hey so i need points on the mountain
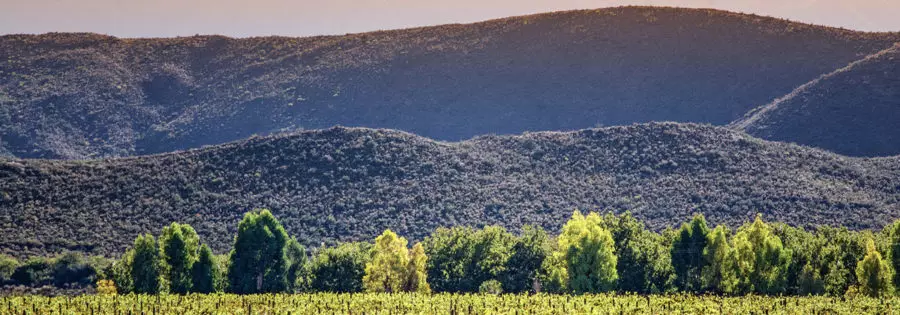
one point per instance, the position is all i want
(77, 96)
(351, 183)
(854, 110)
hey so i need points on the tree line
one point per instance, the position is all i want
(592, 254)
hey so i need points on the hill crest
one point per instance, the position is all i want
(80, 96)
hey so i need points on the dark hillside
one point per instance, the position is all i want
(350, 184)
(854, 110)
(85, 95)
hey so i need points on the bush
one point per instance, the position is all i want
(8, 265)
(73, 268)
(490, 287)
(34, 272)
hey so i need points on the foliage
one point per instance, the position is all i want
(340, 268)
(296, 256)
(588, 252)
(687, 253)
(106, 287)
(416, 275)
(258, 261)
(460, 259)
(408, 303)
(35, 271)
(644, 262)
(529, 251)
(387, 271)
(178, 244)
(73, 268)
(146, 266)
(760, 260)
(715, 273)
(8, 265)
(205, 272)
(874, 274)
(490, 287)
(894, 251)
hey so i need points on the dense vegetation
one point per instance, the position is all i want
(851, 111)
(88, 95)
(328, 303)
(592, 254)
(351, 184)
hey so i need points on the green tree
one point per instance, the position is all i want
(763, 261)
(805, 263)
(644, 262)
(340, 269)
(894, 253)
(258, 261)
(810, 281)
(296, 255)
(387, 270)
(528, 253)
(8, 265)
(460, 259)
(838, 257)
(588, 251)
(416, 277)
(874, 274)
(715, 273)
(145, 265)
(120, 272)
(687, 253)
(178, 249)
(205, 272)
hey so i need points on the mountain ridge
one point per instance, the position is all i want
(82, 96)
(344, 184)
(851, 110)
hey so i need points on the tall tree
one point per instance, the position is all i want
(715, 273)
(178, 248)
(416, 277)
(145, 265)
(588, 254)
(762, 258)
(644, 262)
(874, 274)
(687, 253)
(296, 255)
(205, 272)
(528, 253)
(387, 270)
(258, 261)
(894, 254)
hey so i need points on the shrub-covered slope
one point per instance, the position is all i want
(854, 110)
(351, 183)
(87, 95)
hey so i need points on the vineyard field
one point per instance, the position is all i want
(360, 303)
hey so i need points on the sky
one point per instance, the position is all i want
(168, 18)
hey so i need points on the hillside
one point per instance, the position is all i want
(78, 96)
(854, 110)
(351, 183)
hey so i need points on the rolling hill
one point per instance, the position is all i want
(78, 96)
(351, 183)
(854, 110)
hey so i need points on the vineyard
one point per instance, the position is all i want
(409, 303)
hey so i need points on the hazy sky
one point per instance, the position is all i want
(164, 18)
